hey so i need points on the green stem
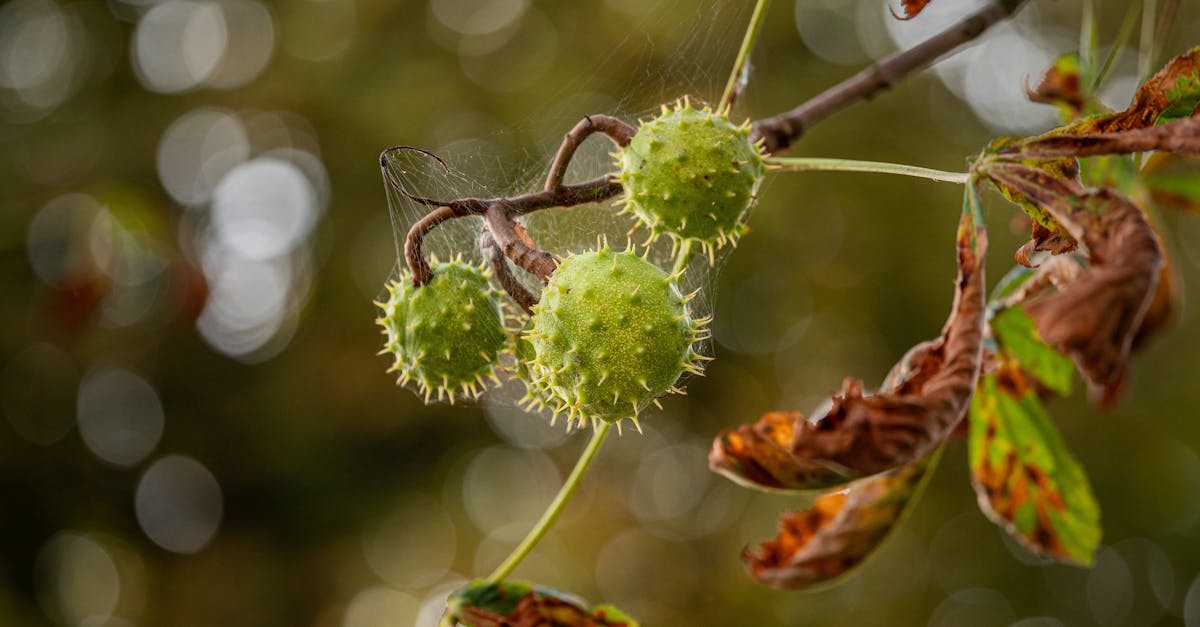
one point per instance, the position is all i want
(1089, 44)
(1124, 36)
(556, 506)
(807, 164)
(1148, 47)
(752, 30)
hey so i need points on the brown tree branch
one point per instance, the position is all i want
(511, 284)
(779, 132)
(618, 131)
(414, 244)
(537, 262)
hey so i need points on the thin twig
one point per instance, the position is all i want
(504, 274)
(618, 131)
(414, 244)
(596, 190)
(539, 263)
(779, 132)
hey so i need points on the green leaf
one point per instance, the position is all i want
(1026, 480)
(1014, 330)
(522, 604)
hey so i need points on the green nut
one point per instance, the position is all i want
(610, 335)
(693, 175)
(445, 336)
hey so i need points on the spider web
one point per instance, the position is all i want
(675, 48)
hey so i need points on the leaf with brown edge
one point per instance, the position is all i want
(1047, 234)
(759, 456)
(521, 604)
(1181, 137)
(840, 530)
(1094, 318)
(920, 403)
(911, 9)
(1025, 479)
(1161, 118)
(1173, 93)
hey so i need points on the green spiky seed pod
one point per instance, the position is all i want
(691, 174)
(445, 336)
(610, 334)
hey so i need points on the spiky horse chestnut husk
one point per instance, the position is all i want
(610, 334)
(446, 336)
(691, 174)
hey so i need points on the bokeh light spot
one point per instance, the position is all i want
(196, 150)
(263, 208)
(178, 504)
(77, 578)
(413, 545)
(381, 606)
(120, 416)
(177, 44)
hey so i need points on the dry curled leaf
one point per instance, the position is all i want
(760, 456)
(1160, 118)
(1094, 318)
(1061, 86)
(1043, 239)
(1179, 136)
(838, 532)
(1047, 234)
(920, 403)
(910, 7)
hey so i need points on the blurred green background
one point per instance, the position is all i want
(196, 431)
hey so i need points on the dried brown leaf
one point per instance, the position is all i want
(1094, 318)
(1170, 92)
(760, 456)
(1160, 118)
(1061, 86)
(1180, 137)
(1043, 239)
(838, 532)
(911, 9)
(1162, 308)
